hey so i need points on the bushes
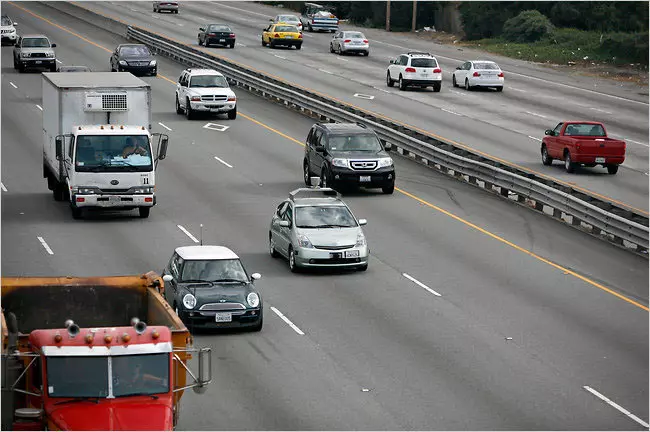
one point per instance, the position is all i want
(632, 47)
(528, 26)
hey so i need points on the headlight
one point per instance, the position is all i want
(340, 162)
(152, 63)
(361, 239)
(385, 162)
(304, 242)
(144, 190)
(83, 190)
(123, 62)
(49, 54)
(189, 301)
(253, 299)
(24, 54)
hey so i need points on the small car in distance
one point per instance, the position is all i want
(315, 228)
(208, 287)
(345, 42)
(287, 19)
(134, 58)
(171, 6)
(478, 73)
(8, 34)
(216, 34)
(34, 51)
(582, 143)
(72, 68)
(282, 35)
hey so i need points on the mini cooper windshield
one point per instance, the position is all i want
(226, 270)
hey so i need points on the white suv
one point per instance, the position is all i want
(415, 69)
(204, 90)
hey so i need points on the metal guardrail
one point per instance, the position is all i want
(614, 224)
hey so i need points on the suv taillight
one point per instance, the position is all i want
(437, 70)
(409, 69)
(476, 74)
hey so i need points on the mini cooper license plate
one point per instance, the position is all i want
(223, 317)
(352, 254)
(364, 178)
(600, 160)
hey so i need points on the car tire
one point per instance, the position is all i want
(263, 43)
(546, 159)
(569, 166)
(366, 53)
(271, 44)
(362, 267)
(232, 45)
(274, 253)
(298, 46)
(437, 87)
(402, 85)
(58, 192)
(21, 67)
(232, 114)
(389, 80)
(453, 81)
(331, 49)
(179, 109)
(258, 327)
(144, 212)
(292, 261)
(500, 89)
(388, 190)
(467, 86)
(612, 169)
(189, 113)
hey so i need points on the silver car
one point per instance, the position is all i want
(345, 42)
(34, 51)
(478, 73)
(315, 228)
(171, 6)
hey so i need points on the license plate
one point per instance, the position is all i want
(600, 160)
(357, 42)
(113, 199)
(352, 254)
(288, 37)
(38, 62)
(364, 178)
(214, 106)
(222, 40)
(223, 317)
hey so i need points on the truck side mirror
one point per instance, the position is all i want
(205, 371)
(59, 147)
(162, 153)
(548, 132)
(388, 146)
(256, 276)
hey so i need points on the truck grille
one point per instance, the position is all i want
(214, 98)
(37, 54)
(363, 165)
(221, 306)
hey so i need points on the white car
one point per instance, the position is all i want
(478, 73)
(204, 90)
(345, 42)
(287, 19)
(415, 69)
(9, 35)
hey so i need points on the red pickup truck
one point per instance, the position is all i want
(582, 143)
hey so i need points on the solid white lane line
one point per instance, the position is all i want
(637, 142)
(326, 71)
(243, 10)
(285, 319)
(342, 59)
(187, 233)
(450, 112)
(168, 128)
(417, 282)
(59, 61)
(279, 56)
(13, 85)
(516, 89)
(381, 89)
(4, 189)
(47, 248)
(223, 162)
(39, 107)
(600, 110)
(458, 93)
(535, 114)
(617, 406)
(536, 139)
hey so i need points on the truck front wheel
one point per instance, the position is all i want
(144, 212)
(58, 191)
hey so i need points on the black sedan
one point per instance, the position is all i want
(216, 34)
(209, 288)
(134, 58)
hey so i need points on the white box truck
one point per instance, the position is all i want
(98, 151)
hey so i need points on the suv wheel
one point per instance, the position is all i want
(232, 114)
(389, 80)
(306, 172)
(188, 110)
(388, 190)
(402, 85)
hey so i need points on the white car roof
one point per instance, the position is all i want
(204, 72)
(205, 252)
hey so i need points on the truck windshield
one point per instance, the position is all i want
(143, 374)
(77, 376)
(113, 153)
(223, 270)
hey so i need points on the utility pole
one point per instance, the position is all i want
(388, 15)
(415, 14)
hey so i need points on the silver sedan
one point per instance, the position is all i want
(478, 73)
(345, 42)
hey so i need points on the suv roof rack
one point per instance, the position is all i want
(362, 125)
(316, 192)
(419, 53)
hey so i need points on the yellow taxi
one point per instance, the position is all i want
(281, 34)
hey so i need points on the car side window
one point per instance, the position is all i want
(71, 149)
(309, 137)
(281, 208)
(557, 129)
(467, 66)
(317, 136)
(288, 215)
(324, 141)
(404, 60)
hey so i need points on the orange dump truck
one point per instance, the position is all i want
(94, 353)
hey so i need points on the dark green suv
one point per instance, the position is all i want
(348, 153)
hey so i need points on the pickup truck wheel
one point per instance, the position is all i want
(612, 169)
(188, 110)
(179, 110)
(546, 159)
(568, 165)
(144, 212)
(389, 80)
(232, 114)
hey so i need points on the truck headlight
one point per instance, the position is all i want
(189, 301)
(24, 54)
(253, 299)
(122, 62)
(304, 242)
(83, 190)
(361, 239)
(49, 55)
(385, 162)
(340, 162)
(152, 63)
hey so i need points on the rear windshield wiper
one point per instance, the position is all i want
(79, 399)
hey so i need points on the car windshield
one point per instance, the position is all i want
(584, 129)
(286, 29)
(208, 81)
(77, 376)
(324, 217)
(6, 21)
(288, 18)
(113, 153)
(219, 28)
(227, 270)
(365, 142)
(135, 51)
(354, 35)
(36, 43)
(143, 374)
(424, 62)
(486, 66)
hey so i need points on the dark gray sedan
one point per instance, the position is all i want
(134, 58)
(216, 34)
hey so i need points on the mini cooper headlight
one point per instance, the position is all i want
(253, 299)
(189, 301)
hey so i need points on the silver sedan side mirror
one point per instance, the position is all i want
(362, 222)
(256, 276)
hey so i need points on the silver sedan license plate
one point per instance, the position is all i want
(364, 178)
(600, 160)
(223, 317)
(352, 254)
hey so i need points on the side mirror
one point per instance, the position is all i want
(388, 146)
(59, 147)
(363, 222)
(205, 371)
(201, 29)
(320, 149)
(15, 24)
(458, 68)
(256, 276)
(392, 62)
(168, 278)
(548, 132)
(284, 223)
(271, 19)
(162, 153)
(53, 45)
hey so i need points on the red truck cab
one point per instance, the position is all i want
(582, 143)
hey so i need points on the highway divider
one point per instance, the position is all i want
(606, 220)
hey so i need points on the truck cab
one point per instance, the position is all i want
(318, 17)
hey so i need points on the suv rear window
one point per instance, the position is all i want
(424, 62)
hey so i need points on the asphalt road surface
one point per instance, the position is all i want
(475, 313)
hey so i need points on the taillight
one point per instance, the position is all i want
(476, 74)
(212, 34)
(409, 69)
(232, 35)
(437, 70)
(500, 75)
(347, 41)
(276, 35)
(313, 20)
(365, 41)
(300, 36)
